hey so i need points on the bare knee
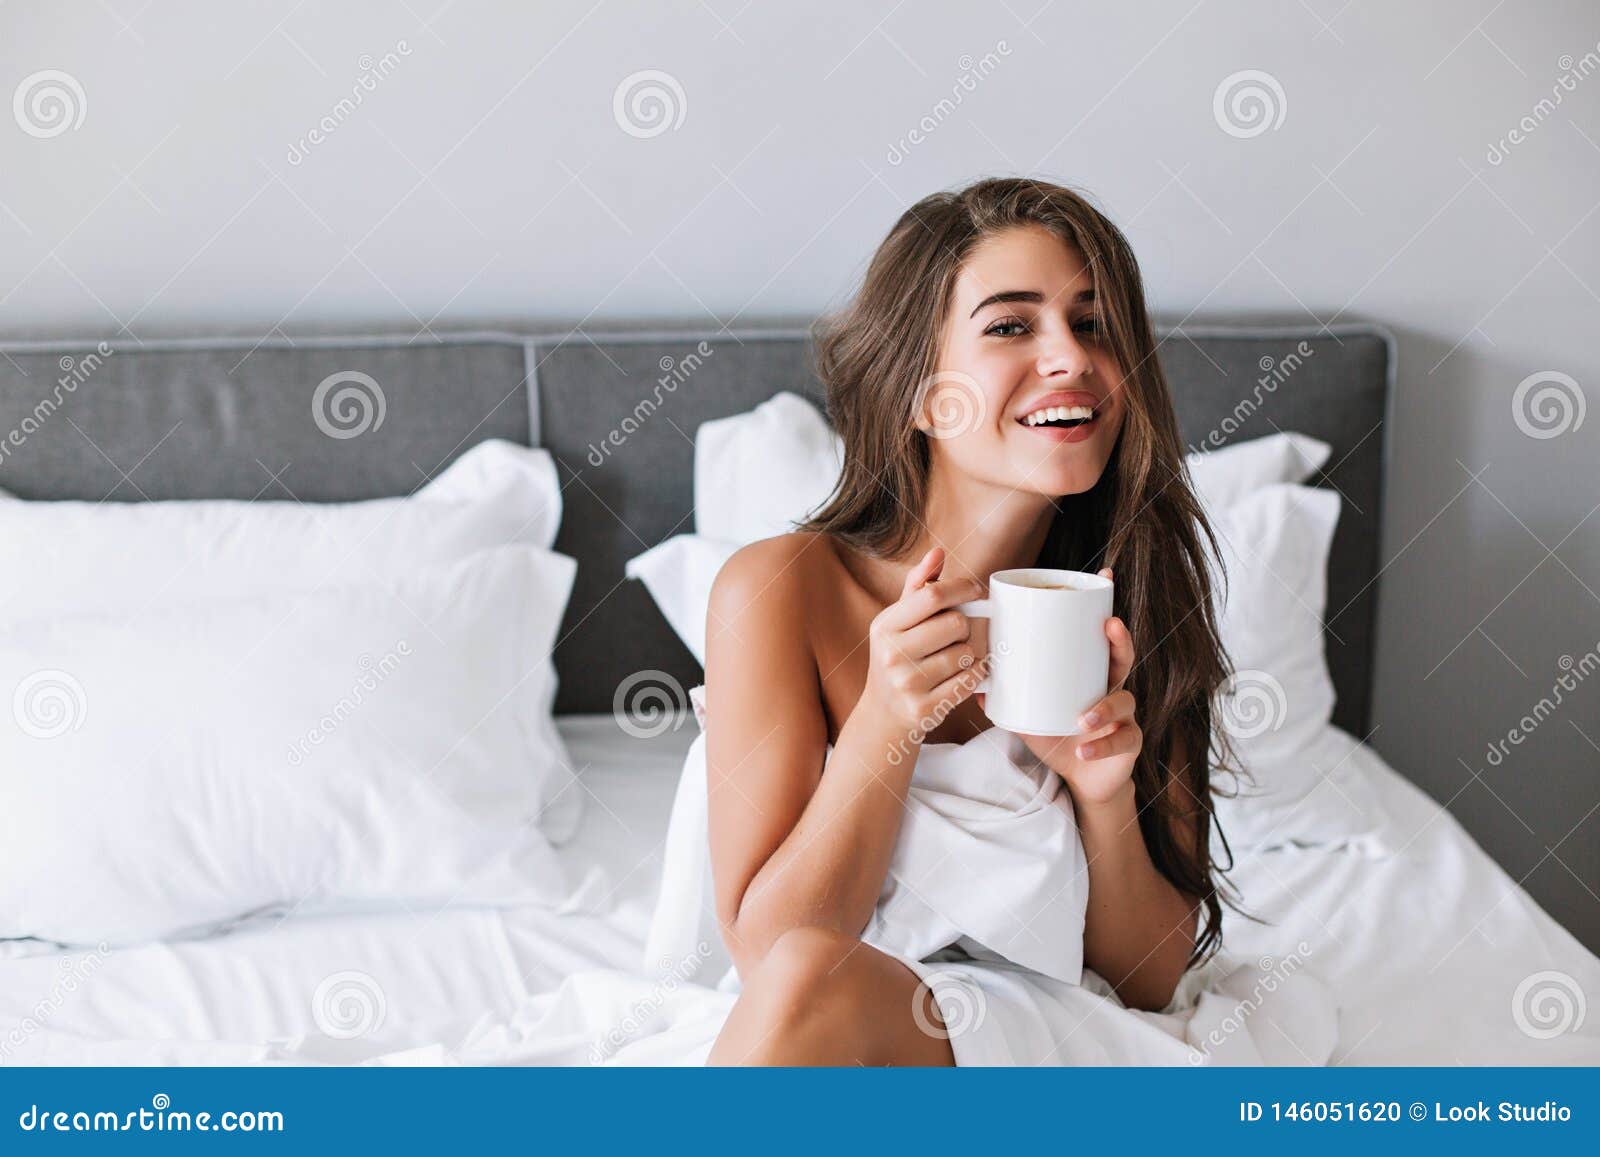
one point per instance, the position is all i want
(806, 956)
(823, 998)
(809, 985)
(803, 965)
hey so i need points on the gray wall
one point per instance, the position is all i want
(485, 177)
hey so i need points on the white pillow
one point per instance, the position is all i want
(1278, 705)
(758, 473)
(1275, 546)
(164, 772)
(72, 557)
(69, 558)
(1223, 477)
(678, 574)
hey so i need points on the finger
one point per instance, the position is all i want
(945, 663)
(935, 633)
(925, 571)
(944, 593)
(932, 598)
(1105, 572)
(1084, 737)
(1116, 707)
(1125, 739)
(959, 687)
(1121, 641)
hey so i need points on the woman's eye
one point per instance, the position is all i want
(1011, 327)
(1087, 325)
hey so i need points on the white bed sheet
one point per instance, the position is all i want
(1424, 940)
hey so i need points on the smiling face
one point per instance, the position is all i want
(1027, 395)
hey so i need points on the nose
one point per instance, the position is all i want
(1063, 356)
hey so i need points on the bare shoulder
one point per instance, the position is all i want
(761, 657)
(774, 578)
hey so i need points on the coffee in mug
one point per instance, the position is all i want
(1047, 585)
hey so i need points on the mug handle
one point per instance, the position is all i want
(979, 609)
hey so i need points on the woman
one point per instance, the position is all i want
(830, 647)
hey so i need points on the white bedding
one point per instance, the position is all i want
(1434, 954)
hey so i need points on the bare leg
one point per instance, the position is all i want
(823, 998)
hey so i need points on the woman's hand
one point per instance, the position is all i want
(1097, 763)
(921, 664)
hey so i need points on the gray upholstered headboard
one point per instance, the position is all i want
(234, 418)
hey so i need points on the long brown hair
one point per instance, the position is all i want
(1141, 518)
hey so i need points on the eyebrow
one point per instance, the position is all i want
(1030, 295)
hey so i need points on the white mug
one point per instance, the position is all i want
(1049, 658)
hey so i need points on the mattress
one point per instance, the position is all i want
(1435, 955)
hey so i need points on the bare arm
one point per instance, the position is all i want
(1139, 929)
(791, 846)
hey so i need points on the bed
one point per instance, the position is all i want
(1435, 955)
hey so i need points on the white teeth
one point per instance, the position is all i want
(1057, 414)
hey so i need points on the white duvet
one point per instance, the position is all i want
(1433, 955)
